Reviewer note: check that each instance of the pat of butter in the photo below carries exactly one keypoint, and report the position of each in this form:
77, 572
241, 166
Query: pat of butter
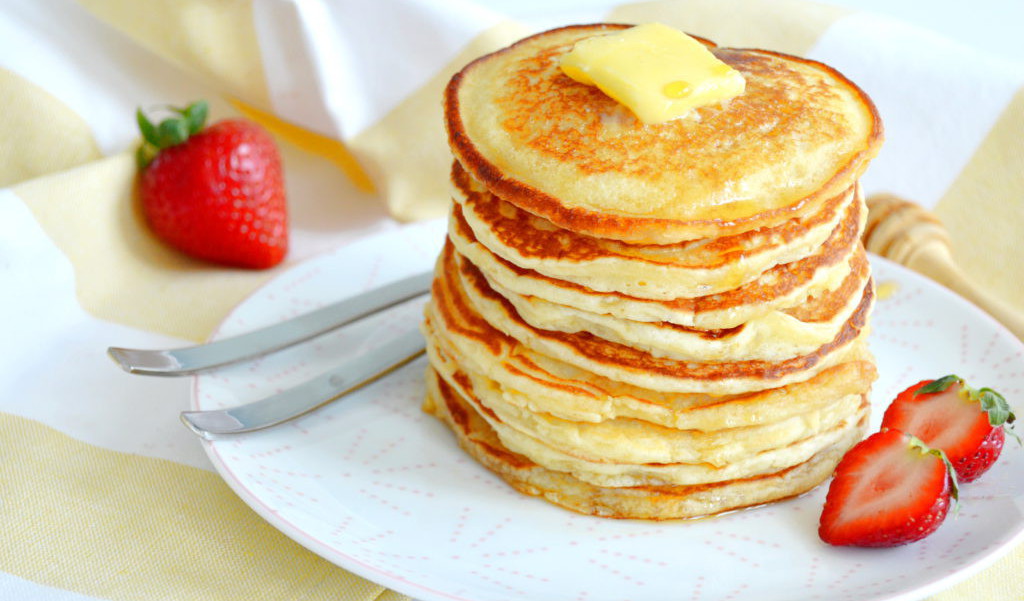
658, 72
886, 290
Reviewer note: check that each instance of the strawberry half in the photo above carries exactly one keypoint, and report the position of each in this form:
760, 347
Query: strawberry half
215, 193
888, 490
969, 425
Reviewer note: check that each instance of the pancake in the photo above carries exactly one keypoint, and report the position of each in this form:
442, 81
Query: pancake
460, 292
780, 287
625, 440
478, 439
660, 272
800, 134
617, 474
774, 336
653, 320
532, 382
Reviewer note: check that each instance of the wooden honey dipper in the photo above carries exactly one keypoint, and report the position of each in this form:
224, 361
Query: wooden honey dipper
906, 233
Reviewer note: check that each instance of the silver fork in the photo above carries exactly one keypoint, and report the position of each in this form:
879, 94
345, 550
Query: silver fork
304, 398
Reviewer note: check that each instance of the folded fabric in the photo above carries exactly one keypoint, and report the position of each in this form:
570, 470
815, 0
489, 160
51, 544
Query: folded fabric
108, 496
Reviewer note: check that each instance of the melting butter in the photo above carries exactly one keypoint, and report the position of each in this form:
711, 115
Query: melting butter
657, 72
886, 290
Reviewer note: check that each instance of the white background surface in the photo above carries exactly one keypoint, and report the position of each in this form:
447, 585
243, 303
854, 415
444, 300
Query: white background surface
991, 25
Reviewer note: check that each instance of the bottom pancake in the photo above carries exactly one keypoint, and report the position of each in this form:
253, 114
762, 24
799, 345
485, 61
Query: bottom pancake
477, 438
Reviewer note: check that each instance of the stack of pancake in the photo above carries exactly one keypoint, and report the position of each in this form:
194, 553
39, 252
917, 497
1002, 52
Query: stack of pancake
653, 320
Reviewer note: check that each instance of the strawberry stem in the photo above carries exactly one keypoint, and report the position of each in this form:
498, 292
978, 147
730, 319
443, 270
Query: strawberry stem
171, 131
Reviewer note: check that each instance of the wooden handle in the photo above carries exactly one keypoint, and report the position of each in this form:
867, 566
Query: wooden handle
906, 233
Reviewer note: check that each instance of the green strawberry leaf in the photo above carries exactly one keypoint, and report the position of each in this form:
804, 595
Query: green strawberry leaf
938, 385
995, 405
171, 131
998, 410
146, 126
195, 114
144, 155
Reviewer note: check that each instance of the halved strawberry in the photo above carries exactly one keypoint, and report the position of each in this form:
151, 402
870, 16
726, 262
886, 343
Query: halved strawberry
888, 490
969, 425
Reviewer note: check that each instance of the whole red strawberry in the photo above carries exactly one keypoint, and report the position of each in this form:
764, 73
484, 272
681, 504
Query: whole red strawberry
215, 193
968, 424
888, 490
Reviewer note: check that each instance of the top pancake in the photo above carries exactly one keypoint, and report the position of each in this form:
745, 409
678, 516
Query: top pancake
800, 134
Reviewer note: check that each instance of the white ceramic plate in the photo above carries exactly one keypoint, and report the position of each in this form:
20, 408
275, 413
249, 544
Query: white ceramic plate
377, 487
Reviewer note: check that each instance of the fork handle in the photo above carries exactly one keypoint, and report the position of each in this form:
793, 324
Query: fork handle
190, 360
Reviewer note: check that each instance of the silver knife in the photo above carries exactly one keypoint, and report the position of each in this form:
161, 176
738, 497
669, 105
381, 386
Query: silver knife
189, 360
306, 397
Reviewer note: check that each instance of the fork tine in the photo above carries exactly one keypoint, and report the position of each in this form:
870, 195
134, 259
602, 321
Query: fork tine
141, 362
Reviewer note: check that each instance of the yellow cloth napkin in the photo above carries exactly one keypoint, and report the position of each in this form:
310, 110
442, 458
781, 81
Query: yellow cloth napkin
103, 492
